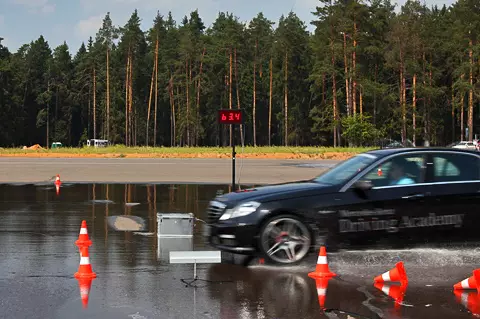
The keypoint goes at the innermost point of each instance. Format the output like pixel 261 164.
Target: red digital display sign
pixel 230 117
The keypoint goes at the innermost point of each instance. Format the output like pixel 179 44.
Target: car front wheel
pixel 285 240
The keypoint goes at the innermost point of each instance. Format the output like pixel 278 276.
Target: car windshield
pixel 345 170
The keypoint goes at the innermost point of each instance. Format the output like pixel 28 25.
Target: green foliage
pixel 359 130
pixel 194 80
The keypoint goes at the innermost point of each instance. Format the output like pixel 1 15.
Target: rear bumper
pixel 233 238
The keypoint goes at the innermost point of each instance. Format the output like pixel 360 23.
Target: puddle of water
pixel 39 228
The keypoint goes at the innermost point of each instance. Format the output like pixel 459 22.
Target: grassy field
pixel 188 152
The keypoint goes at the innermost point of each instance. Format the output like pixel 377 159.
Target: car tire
pixel 284 240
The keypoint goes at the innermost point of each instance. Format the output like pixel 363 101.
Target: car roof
pixel 392 151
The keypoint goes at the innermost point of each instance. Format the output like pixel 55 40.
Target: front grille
pixel 215 210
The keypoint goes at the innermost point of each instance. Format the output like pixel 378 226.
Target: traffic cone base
pixel 397 274
pixel 85 268
pixel 322 270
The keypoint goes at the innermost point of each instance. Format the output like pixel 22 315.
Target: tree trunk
pixel 453 115
pixel 150 102
pixel 270 106
pixel 429 123
pixel 156 94
pixel 470 94
pixel 462 120
pixel 335 117
pixel 414 107
pixel 361 100
pixel 425 125
pixel 108 95
pixel 254 95
pixel 130 95
pixel 323 88
pixel 236 89
pixel 230 91
pixel 89 109
pixel 404 107
pixel 402 96
pixel 187 89
pixel 375 96
pixel 345 62
pixel 198 94
pixel 172 112
pixel 127 99
pixel 48 116
pixel 286 100
pixel 354 54
pixel 94 104
pixel 190 82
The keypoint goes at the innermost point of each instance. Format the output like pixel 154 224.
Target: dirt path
pixel 150 170
pixel 271 156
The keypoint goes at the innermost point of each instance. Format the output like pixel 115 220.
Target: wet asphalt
pixel 38 259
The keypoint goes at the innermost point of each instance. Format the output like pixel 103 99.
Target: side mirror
pixel 362 188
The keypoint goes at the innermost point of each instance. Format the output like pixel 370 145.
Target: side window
pixel 455 167
pixel 399 170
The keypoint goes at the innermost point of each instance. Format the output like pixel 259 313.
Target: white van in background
pixel 98 143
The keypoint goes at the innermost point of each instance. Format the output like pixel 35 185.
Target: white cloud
pixel 307 4
pixel 35 6
pixel 2 20
pixel 88 27
pixel 5 42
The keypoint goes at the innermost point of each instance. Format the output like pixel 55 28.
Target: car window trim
pixel 382 160
pixel 427 184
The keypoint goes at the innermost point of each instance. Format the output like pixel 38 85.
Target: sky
pixel 73 21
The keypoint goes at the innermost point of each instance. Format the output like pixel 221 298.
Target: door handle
pixel 413 196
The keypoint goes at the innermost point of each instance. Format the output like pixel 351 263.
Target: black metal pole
pixel 233 157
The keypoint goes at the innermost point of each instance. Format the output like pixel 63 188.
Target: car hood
pixel 276 192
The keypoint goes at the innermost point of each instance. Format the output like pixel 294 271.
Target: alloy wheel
pixel 285 240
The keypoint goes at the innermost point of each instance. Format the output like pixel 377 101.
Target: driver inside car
pixel 397 173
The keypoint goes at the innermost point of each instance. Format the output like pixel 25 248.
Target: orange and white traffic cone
pixel 57 183
pixel 85 285
pixel 83 239
pixel 470 282
pixel 470 300
pixel 322 285
pixel 397 292
pixel 85 269
pixel 476 275
pixel 322 270
pixel 396 274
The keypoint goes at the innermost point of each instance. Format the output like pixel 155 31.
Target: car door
pixel 377 216
pixel 453 205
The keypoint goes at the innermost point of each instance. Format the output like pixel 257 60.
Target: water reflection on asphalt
pixel 134 279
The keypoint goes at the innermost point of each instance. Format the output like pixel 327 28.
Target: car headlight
pixel 240 210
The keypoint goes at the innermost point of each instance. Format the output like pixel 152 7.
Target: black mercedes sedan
pixel 389 198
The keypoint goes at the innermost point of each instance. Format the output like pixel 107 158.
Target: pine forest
pixel 367 72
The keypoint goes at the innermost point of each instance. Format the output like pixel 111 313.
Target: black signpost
pixel 233 118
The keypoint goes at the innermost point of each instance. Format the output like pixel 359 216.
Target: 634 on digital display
pixel 230 117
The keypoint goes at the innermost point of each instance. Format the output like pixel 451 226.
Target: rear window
pixel 455 167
